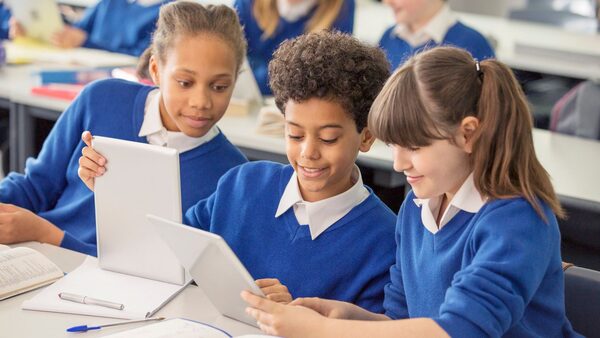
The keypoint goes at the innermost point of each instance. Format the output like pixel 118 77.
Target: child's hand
pixel 91 164
pixel 21 225
pixel 274 290
pixel 337 309
pixel 282 320
pixel 15 30
pixel 69 37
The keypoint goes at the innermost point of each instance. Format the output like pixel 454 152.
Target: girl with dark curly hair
pixel 312 226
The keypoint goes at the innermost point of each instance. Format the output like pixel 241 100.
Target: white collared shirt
pixel 322 214
pixel 435 29
pixel 156 134
pixel 292 12
pixel 467 198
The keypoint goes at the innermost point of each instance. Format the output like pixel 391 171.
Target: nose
pixel 401 159
pixel 310 149
pixel 201 99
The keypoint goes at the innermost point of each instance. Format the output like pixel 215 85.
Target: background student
pixel 312 225
pixel 121 26
pixel 267 23
pixel 4 21
pixel 478 243
pixel 197 52
pixel 424 24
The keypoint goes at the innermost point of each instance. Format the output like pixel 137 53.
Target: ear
pixel 467 129
pixel 153 70
pixel 366 140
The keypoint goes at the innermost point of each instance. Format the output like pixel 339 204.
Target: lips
pixel 196 121
pixel 413 179
pixel 310 172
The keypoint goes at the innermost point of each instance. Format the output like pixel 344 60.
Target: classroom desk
pixel 14 322
pixel 520 44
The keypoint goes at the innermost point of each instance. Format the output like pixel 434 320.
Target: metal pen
pixel 89 300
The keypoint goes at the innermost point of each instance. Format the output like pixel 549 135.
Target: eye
pixel 184 84
pixel 329 141
pixel 413 149
pixel 294 137
pixel 220 87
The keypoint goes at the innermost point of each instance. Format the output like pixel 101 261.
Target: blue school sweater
pixel 4 18
pixel 51 188
pixel 119 26
pixel 494 273
pixel 261 50
pixel 459 35
pixel 350 261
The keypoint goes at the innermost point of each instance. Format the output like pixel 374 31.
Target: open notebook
pixel 141 297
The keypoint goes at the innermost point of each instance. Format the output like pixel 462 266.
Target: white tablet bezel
pixel 212 264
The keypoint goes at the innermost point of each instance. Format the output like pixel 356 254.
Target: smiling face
pixel 433 170
pixel 322 144
pixel 196 81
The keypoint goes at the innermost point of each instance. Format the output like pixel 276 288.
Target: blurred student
pixel 196 55
pixel 267 23
pixel 120 26
pixel 422 24
pixel 478 246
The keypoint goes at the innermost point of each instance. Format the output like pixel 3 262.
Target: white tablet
pixel 246 88
pixel 39 18
pixel 212 264
pixel 139 179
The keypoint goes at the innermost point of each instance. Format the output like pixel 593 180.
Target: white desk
pixel 14 322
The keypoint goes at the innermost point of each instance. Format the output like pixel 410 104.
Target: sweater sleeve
pixel 394 303
pixel 72 243
pixel 511 249
pixel 199 214
pixel 45 177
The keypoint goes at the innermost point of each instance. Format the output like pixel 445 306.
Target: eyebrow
pixel 189 71
pixel 336 126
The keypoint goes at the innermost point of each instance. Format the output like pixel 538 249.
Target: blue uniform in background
pixel 120 26
pixel 261 50
pixel 459 35
pixel 114 108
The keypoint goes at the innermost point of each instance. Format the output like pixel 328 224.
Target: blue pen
pixel 84 328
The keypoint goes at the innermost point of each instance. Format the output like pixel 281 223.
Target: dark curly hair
pixel 331 66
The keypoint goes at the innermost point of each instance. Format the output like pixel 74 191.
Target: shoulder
pixel 258 173
pixel 243 6
pixel 113 87
pixel 514 218
pixel 387 36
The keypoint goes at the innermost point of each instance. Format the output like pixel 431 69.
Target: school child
pixel 478 246
pixel 197 52
pixel 422 24
pixel 4 20
pixel 120 26
pixel 312 225
pixel 267 23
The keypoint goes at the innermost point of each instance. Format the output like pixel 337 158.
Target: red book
pixel 59 91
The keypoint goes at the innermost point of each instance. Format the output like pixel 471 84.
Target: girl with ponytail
pixel 478 246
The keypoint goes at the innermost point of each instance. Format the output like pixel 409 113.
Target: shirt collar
pixel 321 214
pixel 435 29
pixel 156 134
pixel 467 198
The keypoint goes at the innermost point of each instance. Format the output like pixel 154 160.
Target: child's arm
pixel 21 225
pixel 274 290
pixel 299 321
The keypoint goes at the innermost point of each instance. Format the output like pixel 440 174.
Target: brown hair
pixel 428 97
pixel 267 16
pixel 331 66
pixel 190 18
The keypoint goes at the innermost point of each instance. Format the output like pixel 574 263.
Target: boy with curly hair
pixel 311 228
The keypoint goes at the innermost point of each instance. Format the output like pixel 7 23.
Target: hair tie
pixel 478 69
